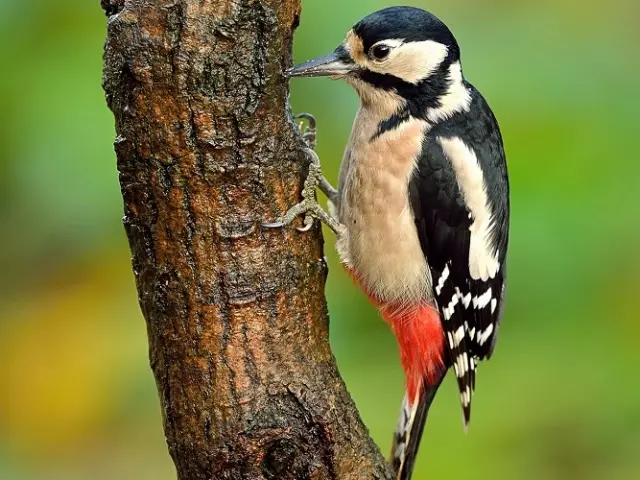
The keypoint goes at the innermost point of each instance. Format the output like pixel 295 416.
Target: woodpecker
pixel 421 213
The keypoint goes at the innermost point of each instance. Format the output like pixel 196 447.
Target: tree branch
pixel 236 315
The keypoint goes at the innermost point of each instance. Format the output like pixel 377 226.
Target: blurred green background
pixel 559 400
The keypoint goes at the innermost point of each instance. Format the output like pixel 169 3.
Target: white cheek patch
pixel 483 260
pixel 411 61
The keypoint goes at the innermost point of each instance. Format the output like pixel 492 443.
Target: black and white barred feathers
pixel 459 195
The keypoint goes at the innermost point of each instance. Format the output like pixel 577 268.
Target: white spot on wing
pixel 466 300
pixel 448 310
pixel 450 338
pixel 458 335
pixel 442 279
pixel 483 260
pixel 494 303
pixel 484 336
pixel 483 300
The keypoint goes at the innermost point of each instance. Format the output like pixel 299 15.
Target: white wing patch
pixel 483 257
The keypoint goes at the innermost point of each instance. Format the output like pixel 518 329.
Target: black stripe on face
pixel 419 98
pixel 383 81
pixel 425 93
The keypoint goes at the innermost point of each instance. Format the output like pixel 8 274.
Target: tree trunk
pixel 236 315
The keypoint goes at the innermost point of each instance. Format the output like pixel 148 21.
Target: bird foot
pixel 309 205
pixel 309 133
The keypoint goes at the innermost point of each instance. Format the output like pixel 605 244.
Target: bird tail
pixel 406 439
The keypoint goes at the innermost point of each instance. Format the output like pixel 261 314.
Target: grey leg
pixel 309 205
pixel 310 136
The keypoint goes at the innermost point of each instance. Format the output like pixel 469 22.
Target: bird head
pixel 403 52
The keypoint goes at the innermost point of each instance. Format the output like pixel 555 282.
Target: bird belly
pixel 383 251
pixel 380 243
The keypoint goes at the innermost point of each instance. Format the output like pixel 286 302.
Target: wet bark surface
pixel 236 314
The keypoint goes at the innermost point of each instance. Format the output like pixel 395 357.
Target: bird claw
pixel 308 223
pixel 312 211
pixel 309 205
pixel 309 133
pixel 276 224
pixel 298 209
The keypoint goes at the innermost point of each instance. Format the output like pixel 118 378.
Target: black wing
pixel 470 308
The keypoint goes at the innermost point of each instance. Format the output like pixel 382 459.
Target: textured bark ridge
pixel 236 314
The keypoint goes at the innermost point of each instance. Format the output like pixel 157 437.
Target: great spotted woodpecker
pixel 422 209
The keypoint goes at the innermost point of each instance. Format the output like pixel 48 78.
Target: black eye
pixel 379 52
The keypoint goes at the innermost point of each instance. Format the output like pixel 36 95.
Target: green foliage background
pixel 559 400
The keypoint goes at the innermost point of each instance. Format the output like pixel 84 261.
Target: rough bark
pixel 236 314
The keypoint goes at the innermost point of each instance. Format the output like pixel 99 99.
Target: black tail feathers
pixel 406 439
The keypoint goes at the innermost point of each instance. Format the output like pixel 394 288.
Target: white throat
pixel 383 103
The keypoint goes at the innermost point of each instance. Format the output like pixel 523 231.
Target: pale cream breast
pixel 380 241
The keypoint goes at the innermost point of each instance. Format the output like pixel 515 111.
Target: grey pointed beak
pixel 336 64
